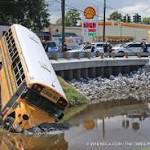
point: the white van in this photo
(130, 47)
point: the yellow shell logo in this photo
(89, 12)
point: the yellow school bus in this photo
(30, 91)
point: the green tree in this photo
(30, 13)
(72, 17)
(115, 16)
(6, 11)
(36, 15)
(146, 20)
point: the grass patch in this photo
(146, 148)
(74, 97)
(77, 101)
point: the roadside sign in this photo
(89, 28)
(89, 25)
(89, 12)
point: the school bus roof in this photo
(38, 65)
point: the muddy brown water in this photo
(103, 126)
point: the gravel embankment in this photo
(135, 85)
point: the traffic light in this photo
(128, 18)
(124, 19)
(137, 18)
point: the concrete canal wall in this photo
(96, 66)
(93, 67)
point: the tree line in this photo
(34, 14)
(136, 18)
(30, 13)
(72, 18)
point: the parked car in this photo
(93, 47)
(99, 46)
(74, 49)
(130, 47)
(117, 46)
(148, 47)
(51, 46)
(87, 48)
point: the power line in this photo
(72, 7)
(145, 9)
(68, 6)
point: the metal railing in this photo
(89, 55)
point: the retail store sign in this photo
(89, 28)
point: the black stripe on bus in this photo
(13, 99)
(36, 100)
(43, 103)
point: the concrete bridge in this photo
(97, 66)
(94, 66)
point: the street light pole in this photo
(104, 21)
(63, 22)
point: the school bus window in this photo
(6, 33)
(7, 38)
(15, 60)
(10, 40)
(19, 65)
(9, 31)
(13, 42)
(17, 76)
(18, 82)
(13, 45)
(12, 50)
(14, 55)
(14, 63)
(11, 54)
(21, 71)
(22, 76)
(15, 70)
(9, 46)
(18, 71)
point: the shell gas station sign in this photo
(89, 12)
(89, 25)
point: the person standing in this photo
(65, 47)
(144, 46)
(105, 48)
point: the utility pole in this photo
(104, 21)
(63, 22)
(103, 128)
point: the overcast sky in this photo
(123, 6)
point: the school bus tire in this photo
(7, 123)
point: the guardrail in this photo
(79, 55)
